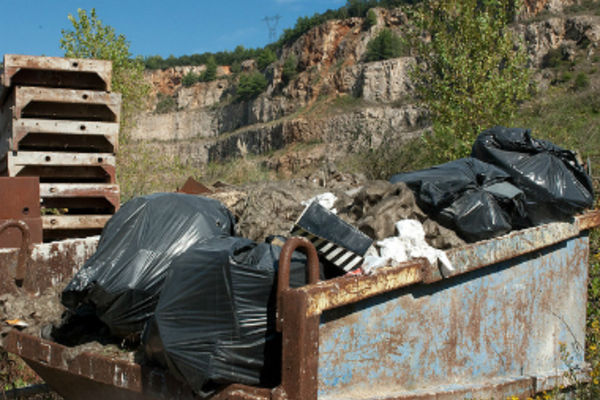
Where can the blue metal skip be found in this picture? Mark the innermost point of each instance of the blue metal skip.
(512, 327)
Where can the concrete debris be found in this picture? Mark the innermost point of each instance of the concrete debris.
(271, 208)
(376, 207)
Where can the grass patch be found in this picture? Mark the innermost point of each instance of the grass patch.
(142, 169)
(570, 119)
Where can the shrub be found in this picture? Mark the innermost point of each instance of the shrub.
(210, 73)
(471, 75)
(189, 79)
(265, 58)
(90, 38)
(371, 19)
(290, 69)
(582, 81)
(553, 58)
(251, 85)
(165, 104)
(384, 46)
(566, 77)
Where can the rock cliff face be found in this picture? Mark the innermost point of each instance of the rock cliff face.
(335, 98)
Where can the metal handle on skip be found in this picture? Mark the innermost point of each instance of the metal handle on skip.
(285, 260)
(24, 252)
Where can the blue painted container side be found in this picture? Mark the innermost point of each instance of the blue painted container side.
(517, 320)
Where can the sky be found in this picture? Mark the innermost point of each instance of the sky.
(154, 27)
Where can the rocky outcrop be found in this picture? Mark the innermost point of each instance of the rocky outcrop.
(387, 81)
(210, 124)
(181, 125)
(534, 7)
(564, 32)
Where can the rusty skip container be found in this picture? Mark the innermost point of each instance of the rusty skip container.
(508, 320)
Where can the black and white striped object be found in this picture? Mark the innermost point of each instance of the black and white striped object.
(335, 240)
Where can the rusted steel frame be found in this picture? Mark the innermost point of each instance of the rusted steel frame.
(119, 373)
(345, 290)
(481, 254)
(109, 192)
(349, 289)
(192, 186)
(13, 63)
(130, 380)
(24, 158)
(25, 95)
(22, 127)
(100, 166)
(300, 349)
(520, 387)
(501, 388)
(50, 222)
(20, 200)
(588, 220)
(283, 273)
(25, 250)
(50, 264)
(242, 392)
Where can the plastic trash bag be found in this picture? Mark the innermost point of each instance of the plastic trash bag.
(556, 186)
(215, 319)
(473, 198)
(123, 279)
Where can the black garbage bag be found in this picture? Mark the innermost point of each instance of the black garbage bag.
(215, 319)
(556, 186)
(122, 280)
(473, 198)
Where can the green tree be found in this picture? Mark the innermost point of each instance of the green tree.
(471, 74)
(385, 45)
(289, 69)
(370, 19)
(210, 73)
(189, 79)
(236, 67)
(251, 85)
(89, 38)
(265, 58)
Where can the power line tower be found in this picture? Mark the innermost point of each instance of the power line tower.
(272, 26)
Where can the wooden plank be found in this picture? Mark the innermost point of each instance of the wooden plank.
(56, 72)
(74, 221)
(63, 135)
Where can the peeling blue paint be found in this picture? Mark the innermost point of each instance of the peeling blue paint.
(501, 321)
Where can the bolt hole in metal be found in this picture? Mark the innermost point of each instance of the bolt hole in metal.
(82, 127)
(47, 158)
(85, 97)
(26, 210)
(75, 65)
(100, 159)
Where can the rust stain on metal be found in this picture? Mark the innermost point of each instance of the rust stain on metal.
(47, 134)
(192, 186)
(24, 251)
(242, 392)
(20, 200)
(50, 264)
(349, 289)
(300, 348)
(588, 220)
(518, 243)
(283, 272)
(56, 71)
